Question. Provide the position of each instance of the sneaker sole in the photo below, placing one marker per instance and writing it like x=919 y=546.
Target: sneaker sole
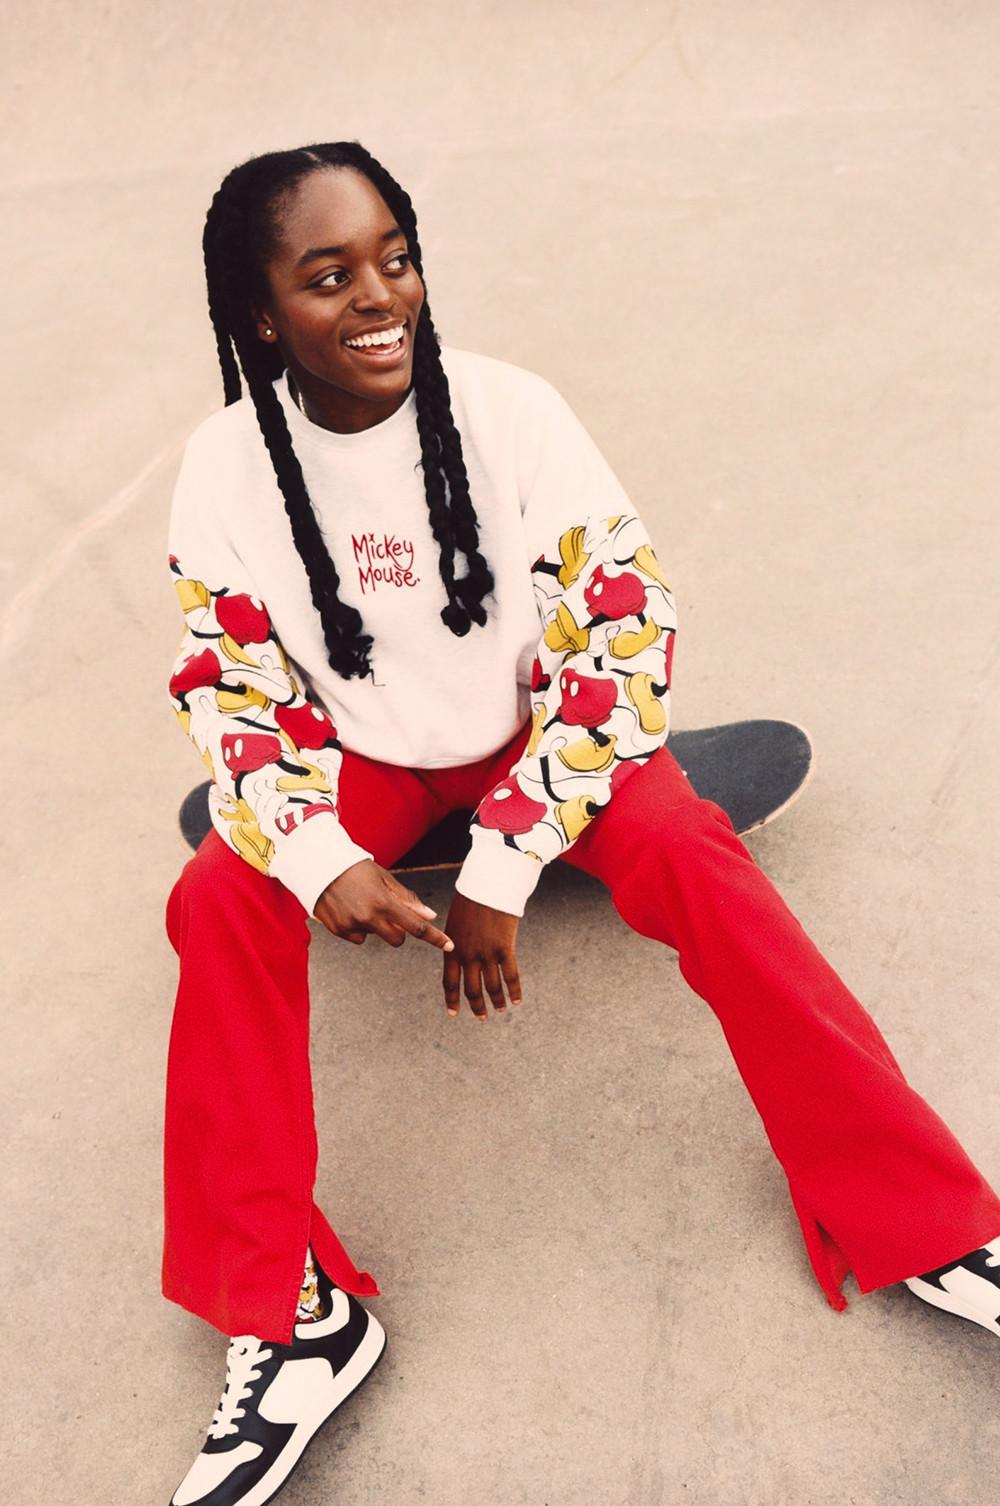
x=951 y=1304
x=358 y=1368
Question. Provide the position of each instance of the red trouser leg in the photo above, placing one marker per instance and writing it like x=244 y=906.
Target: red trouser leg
x=240 y=1147
x=880 y=1185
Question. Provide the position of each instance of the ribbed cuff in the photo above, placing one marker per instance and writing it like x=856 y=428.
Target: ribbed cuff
x=312 y=856
x=497 y=875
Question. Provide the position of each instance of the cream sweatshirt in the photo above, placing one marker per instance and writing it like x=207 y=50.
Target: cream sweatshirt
x=579 y=636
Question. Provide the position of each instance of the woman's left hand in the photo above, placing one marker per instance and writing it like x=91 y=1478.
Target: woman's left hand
x=484 y=953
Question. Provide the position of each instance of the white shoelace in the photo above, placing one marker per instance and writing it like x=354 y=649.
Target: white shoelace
x=244 y=1354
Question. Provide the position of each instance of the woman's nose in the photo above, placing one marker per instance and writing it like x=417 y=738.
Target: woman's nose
x=373 y=289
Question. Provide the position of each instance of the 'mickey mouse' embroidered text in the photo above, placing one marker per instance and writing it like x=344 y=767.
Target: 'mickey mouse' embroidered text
x=383 y=560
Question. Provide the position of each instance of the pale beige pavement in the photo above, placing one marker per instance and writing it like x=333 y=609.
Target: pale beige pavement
x=756 y=247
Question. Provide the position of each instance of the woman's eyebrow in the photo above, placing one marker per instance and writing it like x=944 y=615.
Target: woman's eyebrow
x=317 y=253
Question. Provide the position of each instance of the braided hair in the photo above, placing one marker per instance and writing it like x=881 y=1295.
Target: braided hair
x=242 y=230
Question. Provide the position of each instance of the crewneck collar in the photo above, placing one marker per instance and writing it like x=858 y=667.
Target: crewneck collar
x=402 y=422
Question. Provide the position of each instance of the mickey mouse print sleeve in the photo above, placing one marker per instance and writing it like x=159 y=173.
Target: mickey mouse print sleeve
x=273 y=756
x=600 y=692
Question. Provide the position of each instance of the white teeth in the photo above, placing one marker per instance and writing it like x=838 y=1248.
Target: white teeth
x=380 y=337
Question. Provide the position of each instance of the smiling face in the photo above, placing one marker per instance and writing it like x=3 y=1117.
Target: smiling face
x=340 y=270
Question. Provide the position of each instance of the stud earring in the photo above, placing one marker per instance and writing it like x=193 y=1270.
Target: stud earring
x=268 y=330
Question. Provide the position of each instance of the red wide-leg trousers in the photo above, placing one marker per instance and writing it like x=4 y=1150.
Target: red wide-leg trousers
x=880 y=1185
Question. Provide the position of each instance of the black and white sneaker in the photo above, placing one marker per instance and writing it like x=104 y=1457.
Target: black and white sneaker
x=969 y=1287
x=276 y=1398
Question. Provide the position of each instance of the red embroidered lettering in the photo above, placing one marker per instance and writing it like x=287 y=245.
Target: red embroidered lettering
x=384 y=561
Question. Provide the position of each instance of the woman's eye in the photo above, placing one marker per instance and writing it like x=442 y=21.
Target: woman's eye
x=401 y=256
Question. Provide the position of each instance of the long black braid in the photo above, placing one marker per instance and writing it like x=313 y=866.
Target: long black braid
x=241 y=233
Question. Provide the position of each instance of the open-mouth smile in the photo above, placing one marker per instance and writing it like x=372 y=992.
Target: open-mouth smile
x=375 y=350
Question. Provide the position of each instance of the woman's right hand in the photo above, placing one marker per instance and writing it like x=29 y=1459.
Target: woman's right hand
x=367 y=900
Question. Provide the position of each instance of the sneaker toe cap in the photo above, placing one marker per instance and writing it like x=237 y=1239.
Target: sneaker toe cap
x=209 y=1472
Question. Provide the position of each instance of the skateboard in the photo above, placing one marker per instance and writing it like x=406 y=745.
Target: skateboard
x=754 y=770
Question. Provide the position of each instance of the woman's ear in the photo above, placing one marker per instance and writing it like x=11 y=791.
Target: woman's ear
x=265 y=329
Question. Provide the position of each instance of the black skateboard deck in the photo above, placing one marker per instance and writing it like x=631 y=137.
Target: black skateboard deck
x=753 y=770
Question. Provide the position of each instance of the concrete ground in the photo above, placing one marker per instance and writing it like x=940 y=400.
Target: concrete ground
x=756 y=248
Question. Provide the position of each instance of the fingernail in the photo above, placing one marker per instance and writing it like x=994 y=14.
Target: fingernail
x=449 y=946
x=453 y=1012
x=426 y=910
